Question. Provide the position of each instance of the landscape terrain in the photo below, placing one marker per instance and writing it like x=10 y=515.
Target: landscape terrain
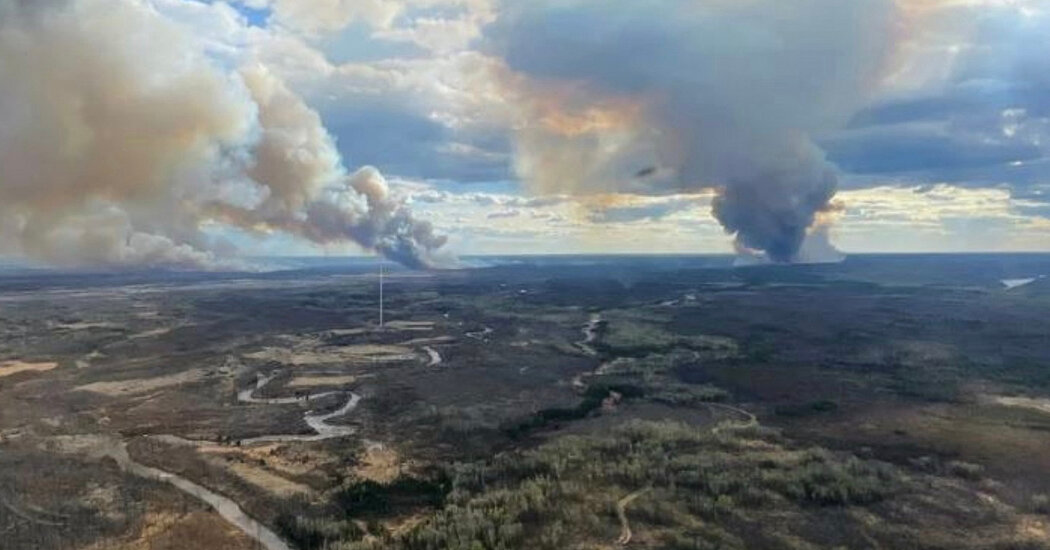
x=575 y=402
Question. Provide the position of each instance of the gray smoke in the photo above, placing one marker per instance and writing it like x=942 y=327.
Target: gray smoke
x=676 y=95
x=121 y=141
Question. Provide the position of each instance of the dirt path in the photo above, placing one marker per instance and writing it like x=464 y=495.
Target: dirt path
x=751 y=421
x=28 y=516
x=621 y=512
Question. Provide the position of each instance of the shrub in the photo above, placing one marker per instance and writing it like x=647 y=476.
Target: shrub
x=1041 y=503
x=965 y=470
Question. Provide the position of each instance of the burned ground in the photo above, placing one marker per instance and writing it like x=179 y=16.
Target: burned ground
x=916 y=383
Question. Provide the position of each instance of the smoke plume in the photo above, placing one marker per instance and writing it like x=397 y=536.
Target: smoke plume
x=121 y=142
x=667 y=96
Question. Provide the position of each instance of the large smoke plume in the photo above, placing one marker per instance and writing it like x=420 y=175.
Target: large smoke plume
x=663 y=96
x=121 y=141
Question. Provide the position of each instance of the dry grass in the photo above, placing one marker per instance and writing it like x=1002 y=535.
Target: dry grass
x=401 y=526
x=424 y=341
x=86 y=325
x=310 y=381
x=267 y=480
x=7 y=368
x=142 y=385
x=197 y=529
x=1033 y=528
x=151 y=333
x=409 y=325
x=348 y=331
x=1034 y=403
x=361 y=353
x=380 y=464
x=289 y=460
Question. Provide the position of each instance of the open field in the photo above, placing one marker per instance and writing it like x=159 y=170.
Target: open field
x=885 y=402
x=7 y=368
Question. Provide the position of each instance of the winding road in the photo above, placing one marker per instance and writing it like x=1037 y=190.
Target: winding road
x=40 y=517
x=751 y=421
x=590 y=334
x=621 y=512
x=621 y=505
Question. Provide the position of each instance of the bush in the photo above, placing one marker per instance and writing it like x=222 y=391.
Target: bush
x=807 y=409
x=312 y=533
x=1041 y=504
x=965 y=470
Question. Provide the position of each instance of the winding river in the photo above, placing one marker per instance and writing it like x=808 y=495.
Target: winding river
x=479 y=334
x=107 y=446
x=590 y=332
x=435 y=357
x=100 y=446
x=248 y=395
x=317 y=422
x=228 y=509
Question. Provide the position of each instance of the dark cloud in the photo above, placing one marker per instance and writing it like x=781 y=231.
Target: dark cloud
x=908 y=148
x=986 y=124
x=708 y=94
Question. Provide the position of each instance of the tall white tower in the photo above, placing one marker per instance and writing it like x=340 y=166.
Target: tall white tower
x=380 y=292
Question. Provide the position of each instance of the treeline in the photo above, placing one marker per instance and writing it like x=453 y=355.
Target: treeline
x=593 y=397
x=353 y=510
x=702 y=488
x=650 y=377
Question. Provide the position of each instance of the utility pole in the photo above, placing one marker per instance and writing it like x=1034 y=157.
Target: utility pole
x=380 y=293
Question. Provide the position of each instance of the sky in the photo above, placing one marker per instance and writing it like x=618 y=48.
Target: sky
x=508 y=127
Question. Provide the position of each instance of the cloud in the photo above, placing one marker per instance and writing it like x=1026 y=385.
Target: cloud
x=509 y=213
x=116 y=158
x=638 y=209
x=932 y=149
x=774 y=107
x=318 y=16
x=939 y=218
x=713 y=95
x=983 y=119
